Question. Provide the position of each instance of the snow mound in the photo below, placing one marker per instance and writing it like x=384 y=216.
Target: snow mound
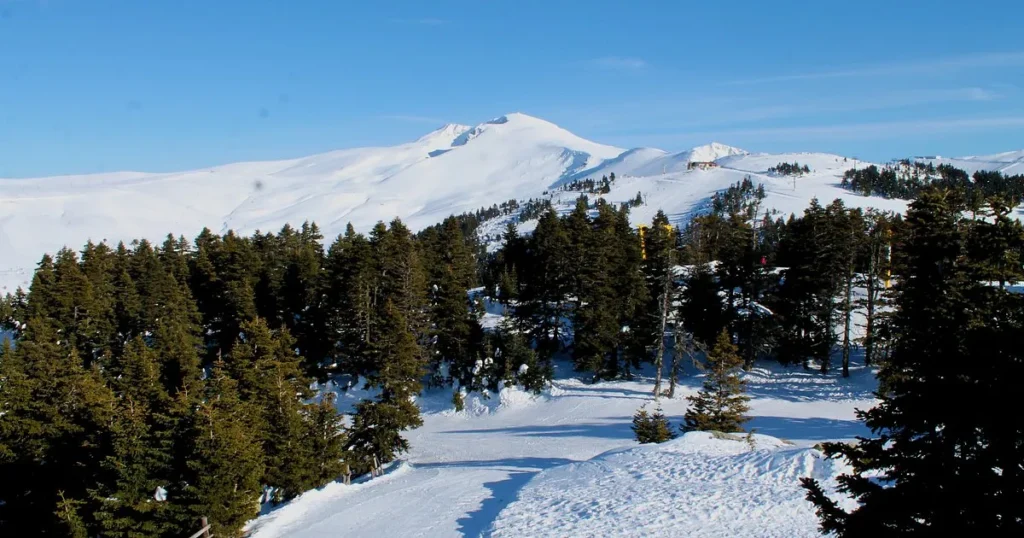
x=701 y=484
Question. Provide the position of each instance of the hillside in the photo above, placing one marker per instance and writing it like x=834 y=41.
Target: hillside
x=451 y=170
x=565 y=464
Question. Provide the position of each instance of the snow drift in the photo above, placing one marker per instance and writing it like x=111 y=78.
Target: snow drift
x=698 y=485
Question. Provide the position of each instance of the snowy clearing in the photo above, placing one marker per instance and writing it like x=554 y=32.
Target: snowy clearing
x=480 y=473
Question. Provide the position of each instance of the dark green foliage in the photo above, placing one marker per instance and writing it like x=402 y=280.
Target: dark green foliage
x=324 y=441
x=543 y=268
x=225 y=463
x=939 y=457
x=451 y=270
x=821 y=251
x=517 y=363
x=611 y=291
x=721 y=404
x=789 y=169
x=377 y=425
x=651 y=427
x=907 y=180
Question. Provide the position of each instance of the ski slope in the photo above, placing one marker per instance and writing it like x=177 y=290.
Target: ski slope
x=1009 y=163
x=451 y=170
x=521 y=466
x=698 y=485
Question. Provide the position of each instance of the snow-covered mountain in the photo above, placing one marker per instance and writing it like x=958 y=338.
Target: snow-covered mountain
x=454 y=169
x=1009 y=162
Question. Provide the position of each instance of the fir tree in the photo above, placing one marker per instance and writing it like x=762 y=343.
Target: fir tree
x=55 y=415
x=721 y=404
x=457 y=333
x=324 y=440
x=938 y=463
x=651 y=427
x=545 y=282
x=226 y=462
x=377 y=425
x=137 y=467
x=270 y=379
x=349 y=302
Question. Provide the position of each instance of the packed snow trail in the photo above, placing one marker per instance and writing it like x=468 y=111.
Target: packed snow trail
x=465 y=468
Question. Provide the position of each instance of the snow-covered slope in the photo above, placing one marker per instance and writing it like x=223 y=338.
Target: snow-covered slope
x=1009 y=162
x=499 y=470
x=698 y=485
x=454 y=169
x=640 y=162
x=451 y=170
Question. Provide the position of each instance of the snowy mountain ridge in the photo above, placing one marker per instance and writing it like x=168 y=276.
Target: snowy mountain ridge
x=451 y=170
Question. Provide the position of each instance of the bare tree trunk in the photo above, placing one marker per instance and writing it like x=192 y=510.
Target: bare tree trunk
x=872 y=292
x=659 y=358
x=847 y=315
x=677 y=353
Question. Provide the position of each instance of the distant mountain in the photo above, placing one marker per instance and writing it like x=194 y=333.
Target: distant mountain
x=1009 y=162
x=451 y=170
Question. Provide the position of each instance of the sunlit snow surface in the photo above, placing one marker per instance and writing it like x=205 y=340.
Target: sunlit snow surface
x=516 y=465
x=451 y=170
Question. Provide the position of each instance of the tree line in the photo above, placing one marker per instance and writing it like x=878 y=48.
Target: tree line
x=589 y=284
x=147 y=386
x=789 y=169
x=150 y=385
x=906 y=180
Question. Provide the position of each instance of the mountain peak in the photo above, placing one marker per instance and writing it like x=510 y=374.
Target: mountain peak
x=518 y=118
x=447 y=131
x=713 y=152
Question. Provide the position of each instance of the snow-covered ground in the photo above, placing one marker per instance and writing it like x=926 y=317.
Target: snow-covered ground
x=522 y=466
x=451 y=170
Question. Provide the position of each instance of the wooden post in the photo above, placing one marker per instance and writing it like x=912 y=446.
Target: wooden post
x=376 y=466
x=347 y=480
x=203 y=520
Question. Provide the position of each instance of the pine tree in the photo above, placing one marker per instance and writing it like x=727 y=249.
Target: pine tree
x=270 y=379
x=875 y=254
x=225 y=463
x=324 y=440
x=350 y=292
x=55 y=415
x=721 y=404
x=651 y=427
x=658 y=264
x=457 y=333
x=545 y=283
x=520 y=363
x=701 y=309
x=377 y=425
x=596 y=319
x=71 y=523
x=137 y=467
x=939 y=460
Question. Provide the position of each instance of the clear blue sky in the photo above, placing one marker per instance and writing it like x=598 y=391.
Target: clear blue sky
x=160 y=85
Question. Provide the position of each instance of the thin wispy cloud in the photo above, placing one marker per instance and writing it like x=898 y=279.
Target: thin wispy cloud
x=412 y=119
x=885 y=129
x=425 y=21
x=618 y=63
x=669 y=116
x=917 y=67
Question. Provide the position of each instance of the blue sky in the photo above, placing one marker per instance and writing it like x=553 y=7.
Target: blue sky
x=160 y=85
